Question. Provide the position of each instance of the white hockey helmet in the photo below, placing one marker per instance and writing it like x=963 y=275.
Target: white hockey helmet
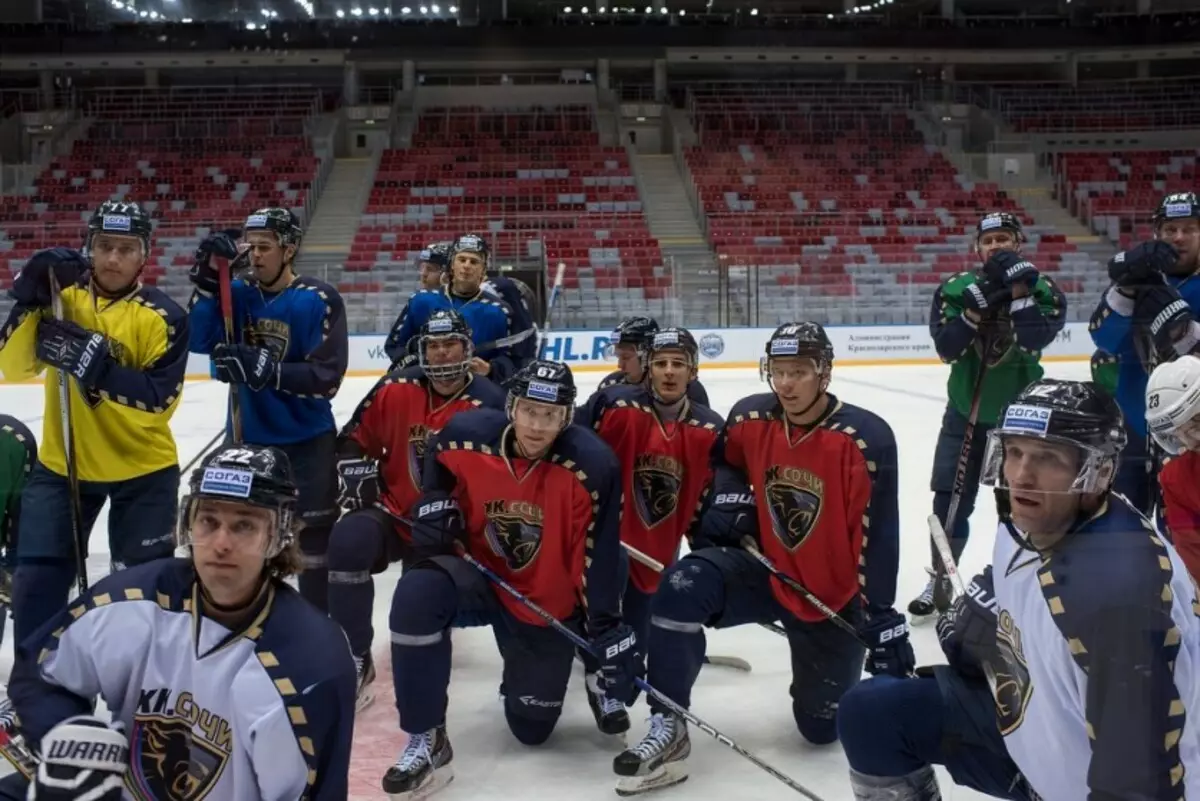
x=1173 y=405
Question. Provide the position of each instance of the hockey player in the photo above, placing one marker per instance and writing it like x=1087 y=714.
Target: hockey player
x=388 y=434
x=1173 y=418
x=1096 y=640
x=662 y=441
x=432 y=264
x=824 y=510
x=123 y=347
x=537 y=500
x=1014 y=311
x=18 y=454
x=1148 y=316
x=489 y=319
x=629 y=341
x=221 y=681
x=517 y=296
x=286 y=363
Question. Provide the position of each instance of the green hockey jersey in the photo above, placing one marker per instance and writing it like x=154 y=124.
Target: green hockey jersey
x=18 y=452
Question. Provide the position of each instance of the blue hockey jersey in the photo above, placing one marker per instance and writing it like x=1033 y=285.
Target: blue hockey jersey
x=1115 y=331
x=523 y=352
x=261 y=714
x=304 y=327
x=489 y=318
x=695 y=390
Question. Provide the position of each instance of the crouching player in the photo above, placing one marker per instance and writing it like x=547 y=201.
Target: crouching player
x=221 y=680
x=537 y=500
x=663 y=441
x=387 y=435
x=825 y=501
x=1173 y=418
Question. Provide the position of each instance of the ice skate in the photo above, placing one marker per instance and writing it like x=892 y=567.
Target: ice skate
x=364 y=666
x=657 y=761
x=422 y=768
x=932 y=601
x=611 y=715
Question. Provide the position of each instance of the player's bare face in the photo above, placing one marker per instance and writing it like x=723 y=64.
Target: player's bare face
x=116 y=261
x=431 y=275
x=994 y=241
x=536 y=425
x=629 y=362
x=467 y=273
x=796 y=382
x=268 y=260
x=1184 y=236
x=229 y=545
x=669 y=376
x=1040 y=476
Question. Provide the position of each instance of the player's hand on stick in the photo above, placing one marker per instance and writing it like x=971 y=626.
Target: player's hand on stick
x=729 y=520
x=888 y=650
x=1142 y=264
x=358 y=483
x=437 y=526
x=73 y=349
x=620 y=662
x=203 y=274
x=245 y=364
x=31 y=287
x=1010 y=269
x=967 y=630
x=985 y=296
x=82 y=757
x=1169 y=318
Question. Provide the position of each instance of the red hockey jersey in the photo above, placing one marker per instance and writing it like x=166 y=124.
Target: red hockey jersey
x=1180 y=482
x=827 y=501
x=665 y=468
x=398 y=417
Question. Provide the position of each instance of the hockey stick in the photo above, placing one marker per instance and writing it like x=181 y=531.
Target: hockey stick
x=642 y=684
x=821 y=606
x=68 y=433
x=938 y=534
x=12 y=743
x=225 y=279
x=187 y=468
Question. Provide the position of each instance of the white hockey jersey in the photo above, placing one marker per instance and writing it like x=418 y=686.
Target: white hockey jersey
x=262 y=714
x=1098 y=690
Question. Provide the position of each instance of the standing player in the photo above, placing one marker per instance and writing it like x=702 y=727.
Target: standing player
x=813 y=482
x=286 y=363
x=432 y=265
x=1011 y=309
x=18 y=454
x=388 y=433
x=629 y=340
x=1173 y=418
x=537 y=500
x=1148 y=316
x=662 y=441
x=1097 y=642
x=221 y=681
x=489 y=318
x=123 y=348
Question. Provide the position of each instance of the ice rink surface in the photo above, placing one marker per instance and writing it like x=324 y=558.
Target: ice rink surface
x=754 y=709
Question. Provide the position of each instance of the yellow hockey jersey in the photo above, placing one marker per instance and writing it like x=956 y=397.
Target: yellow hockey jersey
x=121 y=426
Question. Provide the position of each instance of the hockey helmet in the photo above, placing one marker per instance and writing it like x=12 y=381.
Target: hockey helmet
x=279 y=221
x=543 y=381
x=1000 y=221
x=635 y=331
x=674 y=338
x=1179 y=206
x=469 y=243
x=120 y=218
x=437 y=254
x=1173 y=405
x=806 y=340
x=255 y=475
x=445 y=324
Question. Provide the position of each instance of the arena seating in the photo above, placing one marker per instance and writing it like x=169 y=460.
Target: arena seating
x=1136 y=105
x=536 y=183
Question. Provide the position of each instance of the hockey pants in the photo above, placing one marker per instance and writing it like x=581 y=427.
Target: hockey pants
x=314 y=468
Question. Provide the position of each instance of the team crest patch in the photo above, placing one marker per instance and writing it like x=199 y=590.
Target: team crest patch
x=171 y=760
x=1013 y=687
x=274 y=335
x=514 y=531
x=794 y=498
x=657 y=479
x=418 y=440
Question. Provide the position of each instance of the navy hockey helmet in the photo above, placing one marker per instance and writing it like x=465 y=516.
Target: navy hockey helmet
x=1074 y=413
x=1179 y=206
x=806 y=340
x=437 y=254
x=636 y=331
x=543 y=381
x=256 y=475
x=674 y=338
x=279 y=221
x=120 y=218
x=445 y=324
x=1000 y=221
x=469 y=243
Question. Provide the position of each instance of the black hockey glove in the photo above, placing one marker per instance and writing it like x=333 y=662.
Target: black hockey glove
x=437 y=526
x=203 y=274
x=358 y=483
x=1169 y=319
x=985 y=296
x=245 y=364
x=888 y=650
x=620 y=662
x=1142 y=264
x=1007 y=268
x=729 y=520
x=967 y=631
x=82 y=757
x=73 y=349
x=31 y=287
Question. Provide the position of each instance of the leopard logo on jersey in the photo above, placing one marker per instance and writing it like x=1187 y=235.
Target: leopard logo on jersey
x=1001 y=336
x=657 y=479
x=1013 y=685
x=120 y=355
x=419 y=436
x=274 y=335
x=178 y=749
x=794 y=498
x=514 y=531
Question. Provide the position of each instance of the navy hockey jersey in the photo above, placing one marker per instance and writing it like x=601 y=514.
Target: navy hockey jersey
x=523 y=352
x=304 y=328
x=261 y=714
x=695 y=390
x=490 y=319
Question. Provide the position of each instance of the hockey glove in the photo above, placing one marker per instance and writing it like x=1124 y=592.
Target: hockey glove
x=888 y=650
x=437 y=526
x=1010 y=269
x=31 y=287
x=358 y=483
x=1169 y=319
x=245 y=364
x=203 y=275
x=967 y=631
x=985 y=296
x=1142 y=264
x=81 y=758
x=620 y=662
x=73 y=349
x=728 y=521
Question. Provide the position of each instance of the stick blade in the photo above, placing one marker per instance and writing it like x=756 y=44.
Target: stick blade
x=734 y=662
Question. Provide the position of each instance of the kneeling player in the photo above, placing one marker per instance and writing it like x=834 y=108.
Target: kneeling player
x=629 y=341
x=1096 y=639
x=221 y=680
x=389 y=431
x=663 y=442
x=825 y=502
x=536 y=500
x=1173 y=418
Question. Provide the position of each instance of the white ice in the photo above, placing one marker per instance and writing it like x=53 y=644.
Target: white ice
x=753 y=709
